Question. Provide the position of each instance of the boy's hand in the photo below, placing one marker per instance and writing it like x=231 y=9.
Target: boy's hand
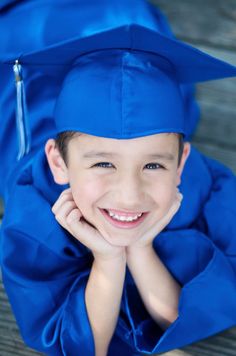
x=70 y=217
x=148 y=237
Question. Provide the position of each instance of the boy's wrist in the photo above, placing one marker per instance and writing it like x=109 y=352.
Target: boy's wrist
x=138 y=250
x=110 y=266
x=119 y=257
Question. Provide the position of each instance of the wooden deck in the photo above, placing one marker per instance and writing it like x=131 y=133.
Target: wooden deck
x=209 y=25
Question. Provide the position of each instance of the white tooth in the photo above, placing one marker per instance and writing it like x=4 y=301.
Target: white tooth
x=123 y=218
x=129 y=218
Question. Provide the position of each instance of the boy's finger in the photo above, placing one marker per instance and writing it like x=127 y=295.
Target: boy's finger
x=174 y=208
x=82 y=231
x=171 y=212
x=61 y=200
x=179 y=196
x=65 y=209
x=66 y=191
x=76 y=226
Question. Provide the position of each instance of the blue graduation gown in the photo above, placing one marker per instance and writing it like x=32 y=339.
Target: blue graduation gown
x=45 y=269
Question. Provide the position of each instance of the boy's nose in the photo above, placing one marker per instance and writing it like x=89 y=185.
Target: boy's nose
x=130 y=194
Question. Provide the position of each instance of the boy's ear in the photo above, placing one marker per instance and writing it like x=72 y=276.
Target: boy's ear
x=56 y=163
x=185 y=154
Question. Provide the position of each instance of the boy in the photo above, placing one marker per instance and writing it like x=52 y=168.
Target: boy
x=123 y=159
x=127 y=207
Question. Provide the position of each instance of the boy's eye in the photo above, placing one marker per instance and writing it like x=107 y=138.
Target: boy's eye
x=103 y=165
x=153 y=166
x=150 y=166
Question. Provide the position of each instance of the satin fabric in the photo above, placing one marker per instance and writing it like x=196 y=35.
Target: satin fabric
x=45 y=269
x=129 y=96
x=28 y=26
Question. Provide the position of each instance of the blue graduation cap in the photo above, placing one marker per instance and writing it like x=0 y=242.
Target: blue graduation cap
x=122 y=78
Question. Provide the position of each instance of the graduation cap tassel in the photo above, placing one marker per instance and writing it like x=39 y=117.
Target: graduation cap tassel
x=21 y=113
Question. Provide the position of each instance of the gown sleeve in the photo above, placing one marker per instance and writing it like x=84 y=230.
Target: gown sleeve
x=220 y=210
x=45 y=273
x=207 y=300
x=201 y=256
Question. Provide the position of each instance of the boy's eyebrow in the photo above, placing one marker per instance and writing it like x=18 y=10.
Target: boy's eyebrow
x=94 y=154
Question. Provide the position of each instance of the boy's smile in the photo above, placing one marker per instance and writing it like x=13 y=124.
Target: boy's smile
x=123 y=187
x=123 y=219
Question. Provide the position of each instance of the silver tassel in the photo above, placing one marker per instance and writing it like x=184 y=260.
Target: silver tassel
x=21 y=113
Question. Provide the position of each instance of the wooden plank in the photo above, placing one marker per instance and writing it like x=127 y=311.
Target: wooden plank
x=209 y=22
x=218 y=345
x=223 y=54
x=217 y=126
x=217 y=100
x=222 y=344
x=216 y=133
x=223 y=155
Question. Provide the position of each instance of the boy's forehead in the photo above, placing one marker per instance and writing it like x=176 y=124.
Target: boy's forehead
x=91 y=146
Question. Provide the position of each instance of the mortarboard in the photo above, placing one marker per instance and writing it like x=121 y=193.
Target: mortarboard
x=123 y=81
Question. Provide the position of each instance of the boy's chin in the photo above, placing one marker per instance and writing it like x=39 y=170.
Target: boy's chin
x=118 y=243
x=122 y=240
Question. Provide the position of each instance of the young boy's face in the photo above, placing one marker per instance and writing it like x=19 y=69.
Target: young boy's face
x=113 y=182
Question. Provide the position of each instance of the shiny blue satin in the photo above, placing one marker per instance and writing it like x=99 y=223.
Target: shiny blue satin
x=129 y=96
x=27 y=26
x=45 y=269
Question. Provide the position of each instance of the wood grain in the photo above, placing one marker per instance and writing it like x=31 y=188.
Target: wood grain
x=208 y=22
x=210 y=25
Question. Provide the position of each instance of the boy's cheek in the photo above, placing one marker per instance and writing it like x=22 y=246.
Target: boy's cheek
x=168 y=200
x=80 y=192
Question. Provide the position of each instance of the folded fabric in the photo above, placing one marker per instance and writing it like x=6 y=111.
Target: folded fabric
x=45 y=269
